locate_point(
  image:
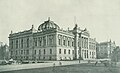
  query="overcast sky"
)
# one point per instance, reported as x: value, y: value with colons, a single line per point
x: 100, y: 17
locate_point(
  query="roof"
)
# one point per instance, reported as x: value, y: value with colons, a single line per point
x: 48, y: 25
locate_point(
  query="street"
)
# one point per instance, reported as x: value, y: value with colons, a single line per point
x: 66, y: 67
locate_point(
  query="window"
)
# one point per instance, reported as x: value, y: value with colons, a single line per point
x: 59, y: 42
x: 87, y: 53
x: 50, y: 51
x: 72, y: 43
x: 59, y: 51
x: 68, y: 51
x: 68, y: 43
x: 21, y: 43
x: 35, y: 51
x: 24, y: 51
x: 21, y: 51
x: 43, y: 57
x: 40, y: 42
x: 44, y: 51
x: 35, y: 41
x: 27, y: 42
x: 39, y: 51
x: 50, y: 58
x: 64, y: 51
x: 44, y: 41
x: 50, y: 41
x: 12, y: 44
x: 63, y: 42
x: 16, y: 43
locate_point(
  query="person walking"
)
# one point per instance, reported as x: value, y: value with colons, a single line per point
x: 60, y: 63
x: 96, y: 63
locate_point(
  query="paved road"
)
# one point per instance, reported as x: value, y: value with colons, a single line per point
x: 36, y: 65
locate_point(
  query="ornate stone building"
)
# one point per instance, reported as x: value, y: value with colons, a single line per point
x: 50, y: 42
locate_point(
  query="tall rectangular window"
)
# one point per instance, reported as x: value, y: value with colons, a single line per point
x: 59, y: 51
x: 50, y: 51
x: 12, y: 44
x: 44, y: 51
x: 35, y: 52
x: 68, y: 51
x: 21, y: 43
x: 87, y: 53
x: 44, y: 41
x: 63, y: 42
x: 16, y: 43
x: 39, y: 52
x: 35, y: 41
x: 21, y: 51
x: 40, y: 41
x: 68, y: 43
x: 27, y: 42
x: 64, y: 51
x: 59, y: 42
x: 72, y: 43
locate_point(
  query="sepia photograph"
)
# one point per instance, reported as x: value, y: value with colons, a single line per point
x: 59, y: 36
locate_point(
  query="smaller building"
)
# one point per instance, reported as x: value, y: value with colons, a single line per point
x: 4, y: 51
x: 105, y: 49
x: 116, y: 54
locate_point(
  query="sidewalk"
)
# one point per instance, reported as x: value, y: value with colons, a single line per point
x: 36, y: 65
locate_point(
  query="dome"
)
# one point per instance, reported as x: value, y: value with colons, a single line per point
x: 48, y: 25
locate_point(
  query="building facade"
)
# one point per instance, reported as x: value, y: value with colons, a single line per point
x: 116, y: 54
x: 50, y: 42
x: 105, y: 49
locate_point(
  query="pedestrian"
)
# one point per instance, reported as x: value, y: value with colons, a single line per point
x: 60, y: 63
x: 96, y: 63
x: 53, y: 66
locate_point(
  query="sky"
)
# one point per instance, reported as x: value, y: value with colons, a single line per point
x: 100, y: 17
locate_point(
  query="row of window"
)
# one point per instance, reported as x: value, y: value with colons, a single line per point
x: 84, y: 42
x: 40, y: 41
x: 16, y: 43
x: 92, y: 45
x: 65, y: 51
x: 65, y: 42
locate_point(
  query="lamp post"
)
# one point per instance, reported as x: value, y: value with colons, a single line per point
x: 80, y: 44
